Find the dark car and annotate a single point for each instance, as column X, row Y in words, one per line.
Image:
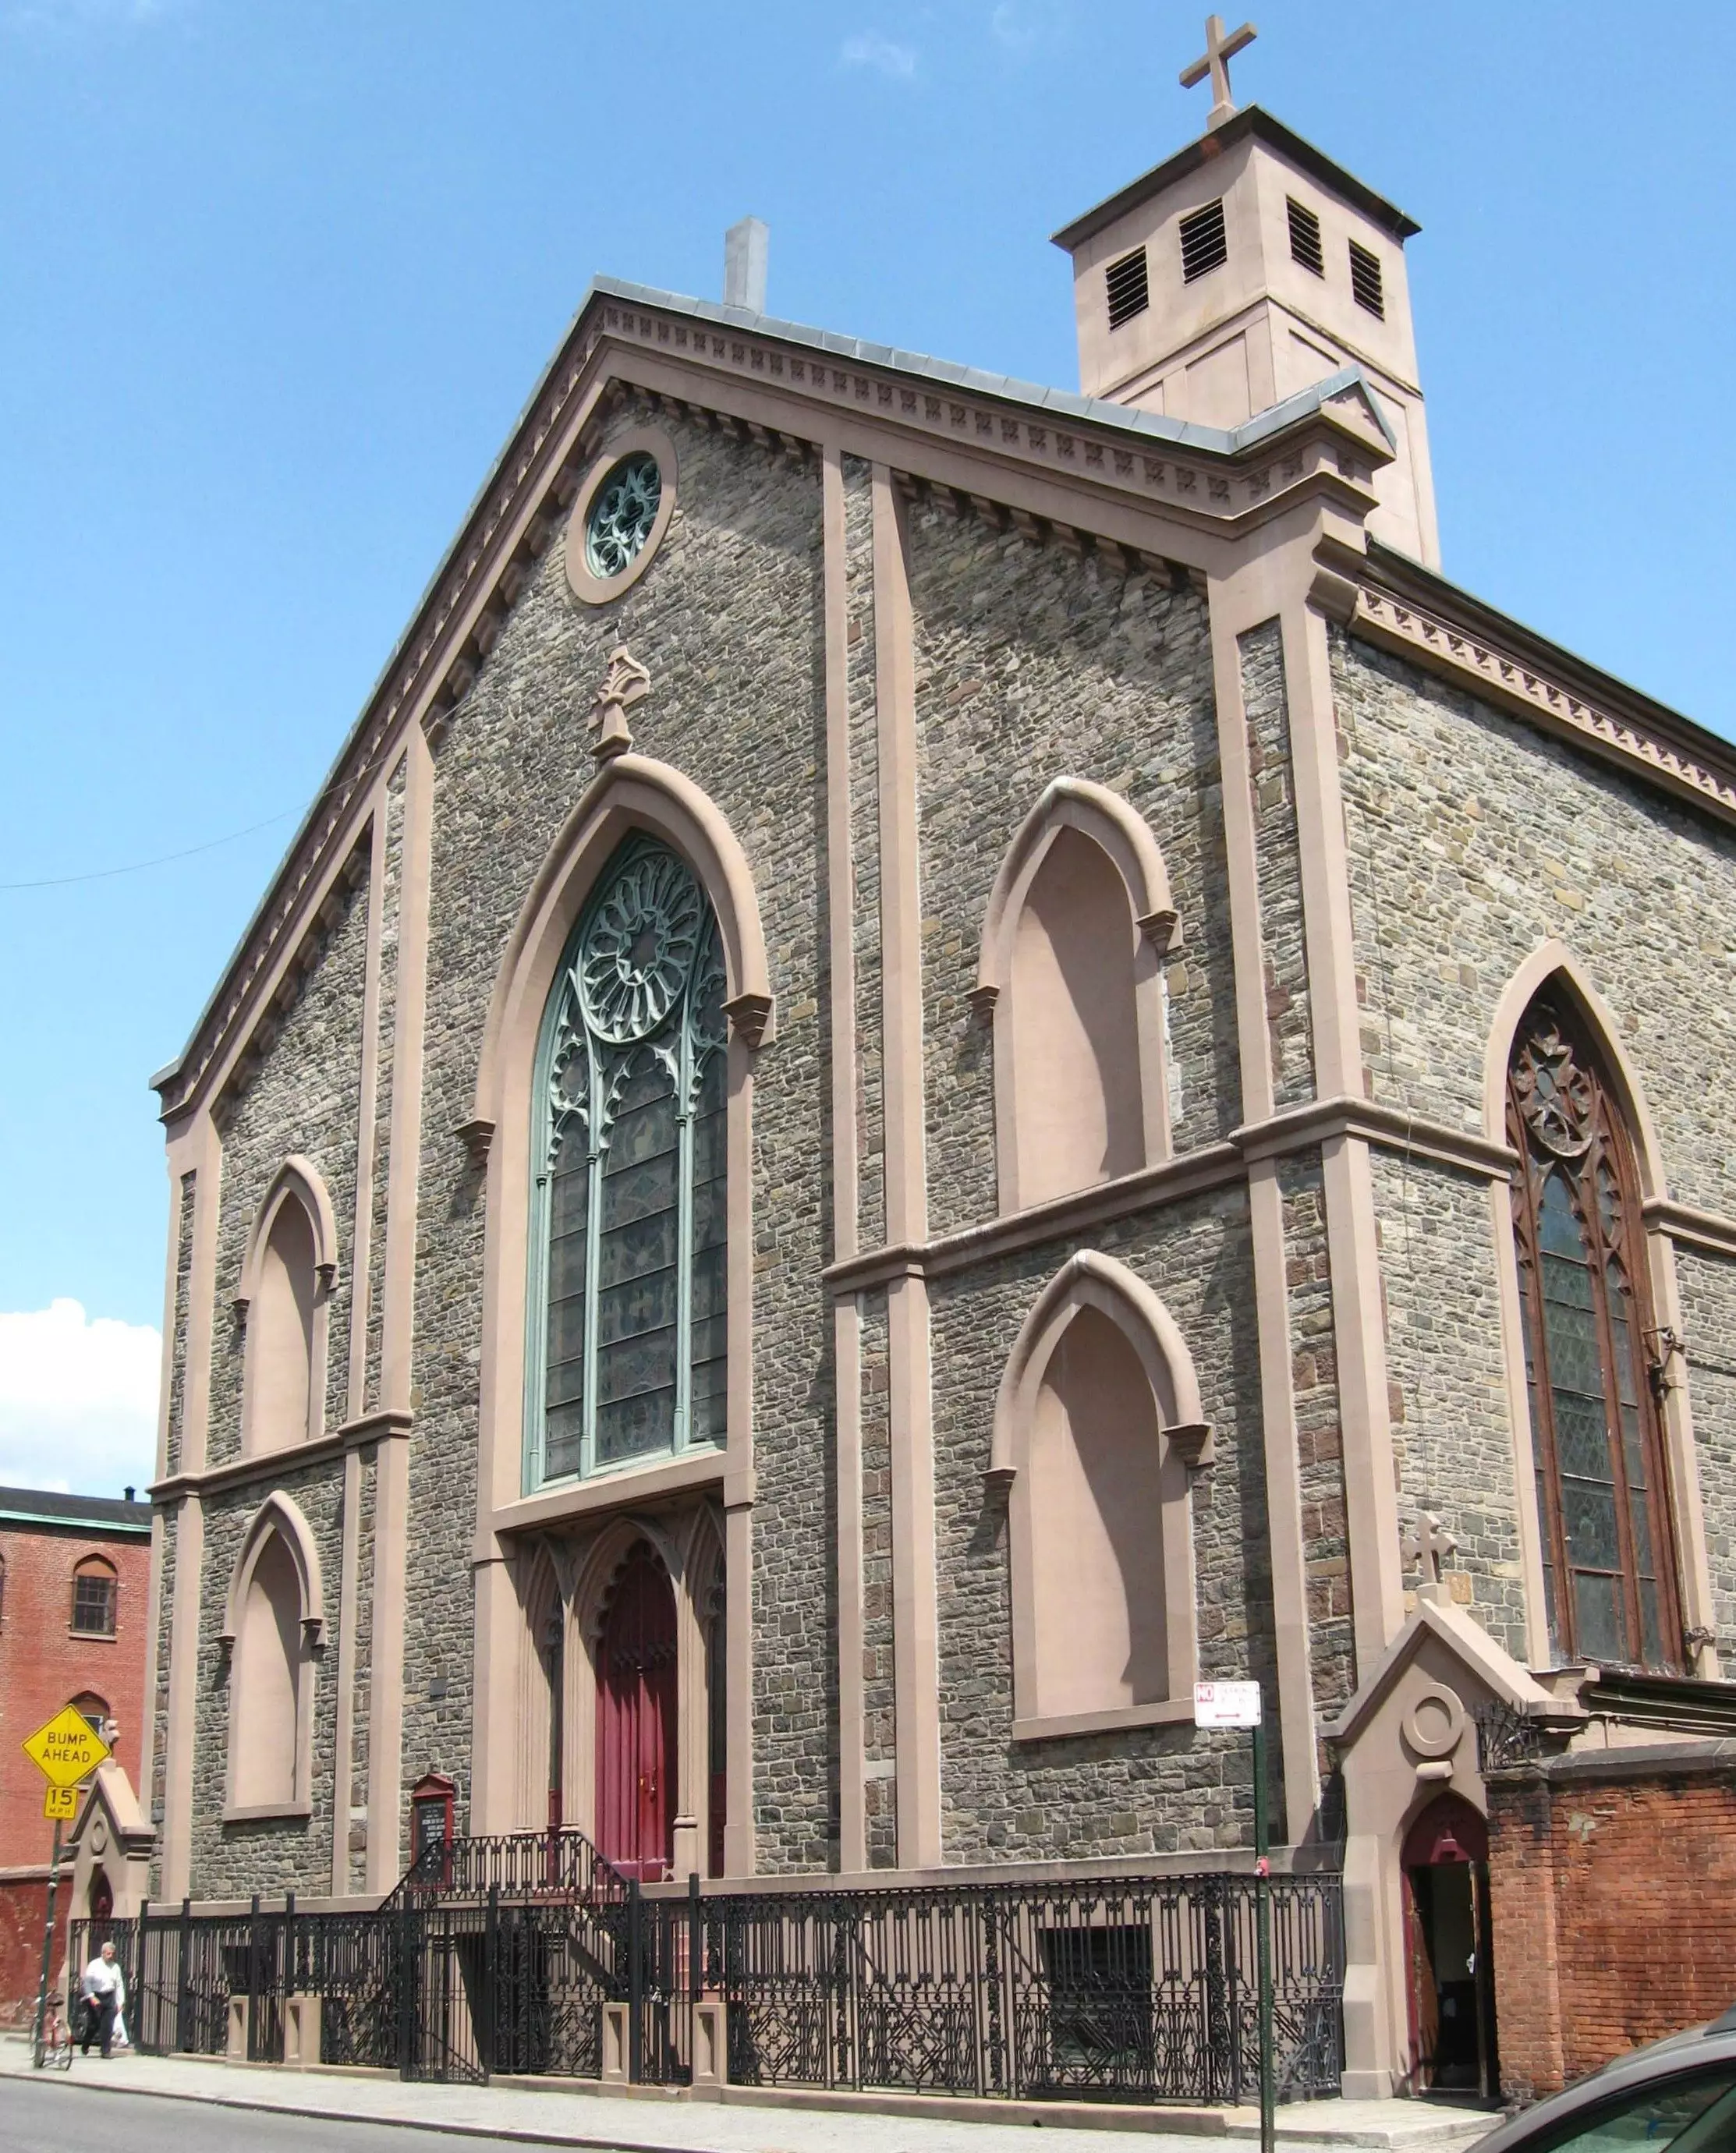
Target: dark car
column 1680, row 2093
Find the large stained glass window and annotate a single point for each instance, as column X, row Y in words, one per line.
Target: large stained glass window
column 626, row 1352
column 1609, row 1577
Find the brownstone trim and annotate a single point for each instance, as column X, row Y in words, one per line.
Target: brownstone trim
column 390, row 1424
column 1302, row 1129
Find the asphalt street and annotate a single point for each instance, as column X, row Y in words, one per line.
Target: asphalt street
column 65, row 2117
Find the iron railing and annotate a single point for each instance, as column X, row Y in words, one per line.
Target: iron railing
column 501, row 1957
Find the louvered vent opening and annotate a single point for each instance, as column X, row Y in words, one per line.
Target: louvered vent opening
column 1203, row 244
column 1365, row 281
column 1305, row 237
column 1129, row 287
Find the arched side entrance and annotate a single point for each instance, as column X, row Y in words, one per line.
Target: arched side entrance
column 1450, row 1964
column 636, row 1696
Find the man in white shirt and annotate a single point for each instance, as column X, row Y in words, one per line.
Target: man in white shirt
column 100, row 1991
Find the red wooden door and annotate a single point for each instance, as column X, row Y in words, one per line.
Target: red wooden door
column 636, row 1721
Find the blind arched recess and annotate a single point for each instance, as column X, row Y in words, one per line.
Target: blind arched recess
column 625, row 1355
column 1602, row 1500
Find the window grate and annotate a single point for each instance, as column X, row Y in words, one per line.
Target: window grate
column 1205, row 245
column 1365, row 281
column 1304, row 245
column 1129, row 287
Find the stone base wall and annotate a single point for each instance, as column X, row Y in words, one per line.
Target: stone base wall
column 1612, row 1881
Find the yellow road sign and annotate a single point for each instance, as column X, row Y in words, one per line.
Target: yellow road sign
column 68, row 1749
column 60, row 1802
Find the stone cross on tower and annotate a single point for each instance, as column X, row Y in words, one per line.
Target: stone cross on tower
column 1220, row 52
column 1427, row 1546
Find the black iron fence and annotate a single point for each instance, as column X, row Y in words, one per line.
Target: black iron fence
column 533, row 1957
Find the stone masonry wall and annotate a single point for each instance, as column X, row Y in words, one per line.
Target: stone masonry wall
column 159, row 1703
column 1320, row 1434
column 1473, row 837
column 1033, row 664
column 391, row 895
column 1129, row 1792
column 865, row 854
column 728, row 619
column 1272, row 777
column 1708, row 1287
column 178, row 1336
column 265, row 1854
column 879, row 1694
column 301, row 1099
column 356, row 1842
column 1452, row 1433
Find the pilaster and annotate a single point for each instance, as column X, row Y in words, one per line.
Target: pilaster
column 845, row 1323
column 361, row 1274
column 1358, row 1319
column 385, row 1706
column 1234, row 607
column 914, row 1616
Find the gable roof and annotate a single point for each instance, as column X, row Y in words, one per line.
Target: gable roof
column 1202, row 477
column 97, row 1515
column 1474, row 1649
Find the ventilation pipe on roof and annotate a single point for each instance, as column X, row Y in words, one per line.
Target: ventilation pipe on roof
column 744, row 265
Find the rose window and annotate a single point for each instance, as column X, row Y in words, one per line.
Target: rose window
column 639, row 953
column 622, row 515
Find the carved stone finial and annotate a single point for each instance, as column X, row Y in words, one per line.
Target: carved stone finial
column 1427, row 1546
column 1214, row 61
column 622, row 684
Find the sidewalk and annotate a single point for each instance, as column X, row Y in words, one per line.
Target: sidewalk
column 570, row 2112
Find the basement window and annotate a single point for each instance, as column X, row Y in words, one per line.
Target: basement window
column 1204, row 245
column 1129, row 287
column 1305, row 237
column 1365, row 281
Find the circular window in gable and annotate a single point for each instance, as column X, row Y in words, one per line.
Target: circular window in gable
column 622, row 512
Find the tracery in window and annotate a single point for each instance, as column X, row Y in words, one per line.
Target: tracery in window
column 626, row 1309
column 1608, row 1569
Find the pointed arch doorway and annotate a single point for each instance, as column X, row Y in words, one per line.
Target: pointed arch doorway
column 636, row 1693
column 1451, row 1966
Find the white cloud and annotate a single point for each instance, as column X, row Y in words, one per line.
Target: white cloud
column 78, row 1401
column 1013, row 28
column 1018, row 27
column 868, row 48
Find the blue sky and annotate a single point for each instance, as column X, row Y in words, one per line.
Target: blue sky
column 278, row 274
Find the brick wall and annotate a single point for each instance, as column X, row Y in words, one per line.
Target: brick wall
column 42, row 1665
column 1613, row 1879
column 22, row 1909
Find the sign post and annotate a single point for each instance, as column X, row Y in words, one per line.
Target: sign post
column 1241, row 1704
column 65, row 1750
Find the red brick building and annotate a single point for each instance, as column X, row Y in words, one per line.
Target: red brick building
column 75, row 1578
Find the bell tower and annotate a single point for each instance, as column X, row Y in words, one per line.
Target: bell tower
column 1243, row 270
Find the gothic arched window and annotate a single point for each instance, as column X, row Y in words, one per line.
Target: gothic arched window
column 1602, row 1500
column 626, row 1341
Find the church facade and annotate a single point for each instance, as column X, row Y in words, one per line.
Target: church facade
column 944, row 1056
